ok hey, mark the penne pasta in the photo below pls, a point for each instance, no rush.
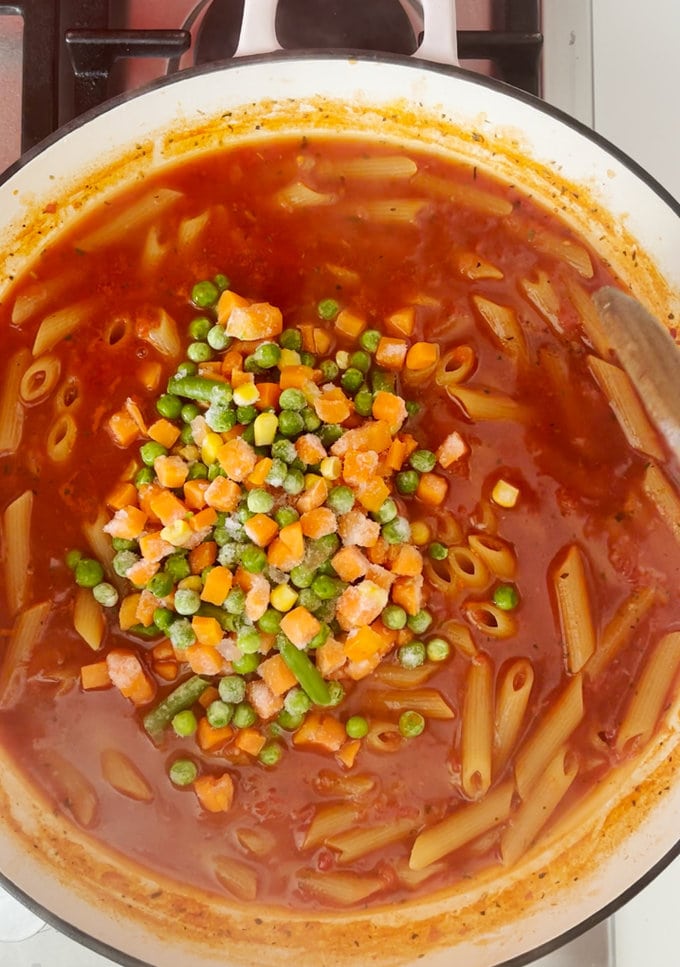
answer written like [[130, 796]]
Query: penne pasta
[[118, 330], [16, 533], [397, 676], [589, 317], [88, 618], [38, 296], [574, 607], [11, 410], [62, 323], [298, 195], [160, 329], [330, 820], [663, 494], [563, 249], [125, 777], [491, 620], [391, 211], [649, 693], [621, 629], [514, 691], [463, 196], [100, 543], [190, 230], [427, 701], [25, 634], [440, 576], [339, 888], [460, 636], [153, 251], [533, 813], [505, 326], [497, 554], [257, 840], [380, 168], [551, 733], [468, 570], [356, 843], [40, 379], [72, 789], [625, 403], [472, 266], [543, 298], [236, 877], [477, 728], [413, 879], [449, 529], [146, 209], [67, 396], [483, 403], [455, 366], [464, 824], [62, 438], [384, 737]]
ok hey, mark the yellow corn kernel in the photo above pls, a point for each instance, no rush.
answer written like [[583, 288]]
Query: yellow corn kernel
[[189, 453], [191, 583], [289, 357], [264, 428], [331, 467], [210, 446], [283, 597], [420, 533], [177, 533], [246, 394], [311, 479], [342, 358], [504, 494]]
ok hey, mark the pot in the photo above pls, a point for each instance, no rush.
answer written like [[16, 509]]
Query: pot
[[627, 831]]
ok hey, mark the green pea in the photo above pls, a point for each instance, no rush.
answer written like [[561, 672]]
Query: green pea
[[407, 481], [411, 724], [330, 433], [437, 551], [118, 544], [302, 576], [329, 370], [352, 380], [232, 689], [246, 663], [267, 355], [254, 559], [219, 713], [398, 531], [340, 499], [321, 637], [230, 552], [144, 476], [222, 281], [189, 412], [105, 594], [285, 516], [215, 470], [186, 436], [72, 557], [363, 402], [294, 482], [336, 694], [360, 360], [150, 451], [310, 419], [186, 368], [199, 327], [88, 572], [369, 340], [177, 566], [260, 501], [270, 754], [506, 597], [412, 408], [325, 587], [419, 622], [244, 716], [248, 640], [163, 618], [184, 723], [161, 584], [235, 602], [412, 655], [356, 727], [181, 634], [199, 352], [122, 562], [297, 702], [197, 471], [438, 649], [382, 381], [288, 721], [309, 599], [292, 399], [169, 406], [217, 338], [277, 473], [394, 617], [220, 417], [386, 512], [205, 294], [270, 622], [183, 772], [291, 423], [284, 450], [291, 339], [327, 309], [187, 601], [423, 460]]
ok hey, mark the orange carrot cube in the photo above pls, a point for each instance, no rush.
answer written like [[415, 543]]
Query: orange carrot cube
[[349, 323], [432, 489], [360, 604], [171, 471], [391, 353], [215, 793], [164, 432], [319, 522], [261, 529], [422, 355], [350, 563], [223, 494], [300, 626], [277, 675], [95, 676], [123, 494], [402, 322], [129, 676], [237, 458], [217, 585], [408, 561], [250, 740], [208, 631], [209, 737]]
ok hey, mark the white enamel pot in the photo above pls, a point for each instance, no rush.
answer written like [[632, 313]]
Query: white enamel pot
[[621, 839]]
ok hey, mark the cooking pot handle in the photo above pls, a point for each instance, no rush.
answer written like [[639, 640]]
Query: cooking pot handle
[[440, 43]]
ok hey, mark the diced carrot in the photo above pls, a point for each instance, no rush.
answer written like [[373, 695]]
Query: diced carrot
[[269, 396], [356, 528], [348, 753], [171, 471], [389, 408], [261, 529], [360, 604], [153, 547], [277, 675], [356, 670], [318, 522], [237, 458], [124, 494], [408, 561], [408, 592], [422, 355], [380, 576], [322, 341], [203, 520], [330, 657], [410, 443], [257, 598], [293, 538], [204, 659], [129, 676], [260, 320], [267, 641], [378, 553], [451, 449], [295, 377], [136, 414], [202, 556], [163, 650], [141, 572], [223, 494], [350, 563], [322, 731], [95, 676], [404, 636], [209, 737], [373, 494], [310, 449], [358, 465], [349, 323], [167, 670], [215, 793], [362, 643], [128, 523], [300, 626], [250, 740], [373, 435], [209, 695], [332, 406], [164, 432], [146, 606], [232, 362], [212, 369], [259, 475], [166, 506], [149, 374], [396, 455], [123, 428], [391, 353], [402, 322], [127, 612], [263, 700], [208, 631], [307, 333], [240, 378], [388, 635], [227, 301], [313, 496], [432, 489], [281, 556], [217, 585]]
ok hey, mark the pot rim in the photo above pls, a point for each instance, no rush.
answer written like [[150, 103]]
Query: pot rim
[[414, 63]]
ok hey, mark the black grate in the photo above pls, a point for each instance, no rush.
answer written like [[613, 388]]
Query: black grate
[[71, 46]]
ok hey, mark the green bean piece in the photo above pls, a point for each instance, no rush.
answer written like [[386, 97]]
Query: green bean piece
[[380, 380], [183, 772], [200, 388], [181, 698], [305, 671], [88, 572]]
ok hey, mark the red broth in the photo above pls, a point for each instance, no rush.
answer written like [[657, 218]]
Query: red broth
[[579, 482]]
